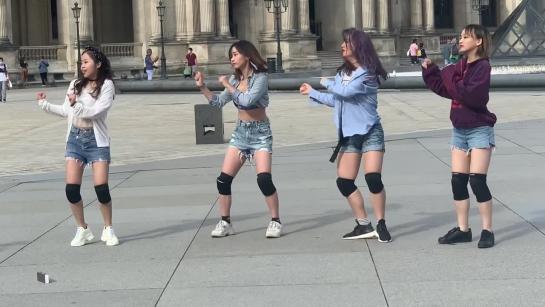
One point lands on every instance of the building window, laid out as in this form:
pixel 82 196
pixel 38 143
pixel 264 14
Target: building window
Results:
pixel 443 13
pixel 54 21
pixel 489 16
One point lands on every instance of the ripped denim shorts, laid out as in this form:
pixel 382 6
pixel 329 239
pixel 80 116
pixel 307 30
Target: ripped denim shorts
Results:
pixel 250 137
pixel 473 138
pixel 82 146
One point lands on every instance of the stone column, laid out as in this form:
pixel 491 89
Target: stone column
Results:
pixel 5 25
pixel 416 15
pixel 368 8
pixel 155 22
pixel 223 18
pixel 207 14
pixel 289 18
pixel 304 22
pixel 181 22
pixel 268 22
pixel 86 33
pixel 383 16
pixel 429 21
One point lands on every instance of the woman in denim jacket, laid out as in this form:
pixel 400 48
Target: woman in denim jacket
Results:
pixel 353 95
pixel 248 90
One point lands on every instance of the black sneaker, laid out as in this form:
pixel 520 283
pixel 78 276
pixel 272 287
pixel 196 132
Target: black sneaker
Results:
pixel 361 232
pixel 487 239
pixel 382 231
pixel 455 235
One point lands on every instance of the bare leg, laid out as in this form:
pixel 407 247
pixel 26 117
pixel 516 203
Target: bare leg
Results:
pixel 460 164
pixel 74 172
pixel 372 163
pixel 347 167
pixel 231 165
pixel 480 160
pixel 263 162
pixel 100 176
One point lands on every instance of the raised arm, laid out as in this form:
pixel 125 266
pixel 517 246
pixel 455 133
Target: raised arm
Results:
pixel 471 91
pixel 56 109
pixel 361 86
pixel 327 99
pixel 434 81
pixel 213 99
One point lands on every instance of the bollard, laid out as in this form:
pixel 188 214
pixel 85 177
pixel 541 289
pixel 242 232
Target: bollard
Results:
pixel 208 124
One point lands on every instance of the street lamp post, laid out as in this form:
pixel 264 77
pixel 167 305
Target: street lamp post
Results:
pixel 77 10
pixel 480 6
pixel 277 7
pixel 161 12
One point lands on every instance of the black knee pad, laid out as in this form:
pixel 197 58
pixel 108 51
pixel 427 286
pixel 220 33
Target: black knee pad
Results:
pixel 479 187
pixel 346 186
pixel 224 183
pixel 103 193
pixel 459 186
pixel 73 193
pixel 374 182
pixel 265 183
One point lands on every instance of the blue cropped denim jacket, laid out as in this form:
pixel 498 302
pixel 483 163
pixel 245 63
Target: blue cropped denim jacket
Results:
pixel 256 96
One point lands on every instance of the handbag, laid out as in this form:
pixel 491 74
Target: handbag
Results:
pixel 10 85
pixel 187 71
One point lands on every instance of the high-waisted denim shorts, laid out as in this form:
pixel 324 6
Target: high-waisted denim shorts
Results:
pixel 372 141
pixel 250 137
pixel 473 138
pixel 82 146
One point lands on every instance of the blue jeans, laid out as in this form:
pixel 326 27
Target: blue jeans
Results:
pixel 82 146
pixel 468 139
pixel 372 141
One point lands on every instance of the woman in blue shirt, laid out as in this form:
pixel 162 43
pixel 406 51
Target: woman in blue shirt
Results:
pixel 247 88
pixel 353 95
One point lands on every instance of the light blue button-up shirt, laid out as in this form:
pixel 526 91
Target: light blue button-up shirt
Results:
pixel 256 96
pixel 356 95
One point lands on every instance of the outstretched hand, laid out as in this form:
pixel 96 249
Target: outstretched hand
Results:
pixel 305 89
pixel 199 79
pixel 426 63
pixel 224 81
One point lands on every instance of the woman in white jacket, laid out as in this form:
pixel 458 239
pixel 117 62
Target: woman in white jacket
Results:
pixel 87 141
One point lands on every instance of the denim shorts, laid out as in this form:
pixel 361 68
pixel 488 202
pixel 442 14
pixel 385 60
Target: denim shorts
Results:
pixel 372 141
pixel 468 139
pixel 82 146
pixel 250 137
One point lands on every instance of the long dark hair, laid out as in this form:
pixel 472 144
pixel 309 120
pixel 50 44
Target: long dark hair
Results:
pixel 104 72
pixel 364 52
pixel 248 50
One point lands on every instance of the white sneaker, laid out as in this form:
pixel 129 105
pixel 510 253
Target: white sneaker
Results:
pixel 274 230
pixel 222 229
pixel 82 237
pixel 108 236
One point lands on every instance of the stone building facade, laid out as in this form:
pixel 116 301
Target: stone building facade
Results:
pixel 311 29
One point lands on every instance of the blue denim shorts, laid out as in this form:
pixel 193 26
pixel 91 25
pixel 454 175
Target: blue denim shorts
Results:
pixel 468 139
pixel 372 141
pixel 250 137
pixel 82 146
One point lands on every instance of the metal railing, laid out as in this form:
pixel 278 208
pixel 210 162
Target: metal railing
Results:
pixel 445 38
pixel 122 49
pixel 32 53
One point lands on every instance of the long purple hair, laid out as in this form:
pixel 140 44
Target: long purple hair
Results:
pixel 364 51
